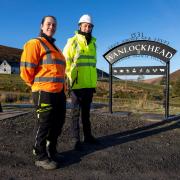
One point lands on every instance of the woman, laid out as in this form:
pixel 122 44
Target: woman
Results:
pixel 43 69
pixel 80 54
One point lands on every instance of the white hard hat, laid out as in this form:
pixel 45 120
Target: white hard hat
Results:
pixel 86 19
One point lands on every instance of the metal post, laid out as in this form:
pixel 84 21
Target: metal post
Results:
pixel 167 91
pixel 110 88
pixel 1 108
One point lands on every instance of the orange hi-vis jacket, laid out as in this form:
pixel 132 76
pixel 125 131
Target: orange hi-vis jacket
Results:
pixel 42 66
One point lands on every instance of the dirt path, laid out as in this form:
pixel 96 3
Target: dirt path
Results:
pixel 131 148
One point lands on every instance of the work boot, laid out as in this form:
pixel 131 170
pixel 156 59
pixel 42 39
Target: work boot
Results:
pixel 47 164
pixel 52 152
pixel 91 140
pixel 55 156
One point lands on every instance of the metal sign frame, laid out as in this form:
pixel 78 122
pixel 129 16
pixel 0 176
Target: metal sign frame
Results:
pixel 140 47
pixel 140 70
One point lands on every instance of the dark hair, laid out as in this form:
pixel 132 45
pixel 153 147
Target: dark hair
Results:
pixel 42 22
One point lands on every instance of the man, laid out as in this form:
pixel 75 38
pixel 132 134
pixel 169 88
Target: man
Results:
pixel 80 54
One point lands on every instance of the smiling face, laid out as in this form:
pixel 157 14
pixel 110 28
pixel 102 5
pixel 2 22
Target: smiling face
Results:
pixel 86 27
pixel 49 26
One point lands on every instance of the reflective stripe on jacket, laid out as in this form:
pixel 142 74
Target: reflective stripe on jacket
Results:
pixel 81 62
pixel 42 66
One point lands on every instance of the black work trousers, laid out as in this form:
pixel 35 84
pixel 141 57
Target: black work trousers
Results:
pixel 81 102
pixel 51 110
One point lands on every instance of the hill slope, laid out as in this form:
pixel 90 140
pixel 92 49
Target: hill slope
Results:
pixel 173 77
pixel 10 54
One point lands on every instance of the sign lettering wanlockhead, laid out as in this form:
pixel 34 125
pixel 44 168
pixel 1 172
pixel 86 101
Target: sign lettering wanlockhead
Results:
pixel 140 47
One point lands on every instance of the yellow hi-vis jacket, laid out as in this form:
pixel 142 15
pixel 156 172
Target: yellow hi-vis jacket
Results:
pixel 81 62
pixel 42 66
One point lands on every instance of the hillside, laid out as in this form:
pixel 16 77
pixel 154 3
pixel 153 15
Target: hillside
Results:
pixel 10 54
pixel 173 77
pixel 152 80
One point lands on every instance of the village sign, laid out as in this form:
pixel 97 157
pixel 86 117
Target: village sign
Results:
pixel 140 47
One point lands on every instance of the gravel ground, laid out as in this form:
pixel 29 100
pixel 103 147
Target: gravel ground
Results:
pixel 130 148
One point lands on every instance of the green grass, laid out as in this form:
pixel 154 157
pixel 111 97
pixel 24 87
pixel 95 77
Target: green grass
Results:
pixel 12 82
pixel 125 93
pixel 129 89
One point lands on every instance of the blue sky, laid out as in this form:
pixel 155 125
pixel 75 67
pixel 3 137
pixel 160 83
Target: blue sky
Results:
pixel 114 20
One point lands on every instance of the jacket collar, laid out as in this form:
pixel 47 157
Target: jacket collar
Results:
pixel 82 38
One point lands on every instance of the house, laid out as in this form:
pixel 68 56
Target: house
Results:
pixel 9 67
pixel 5 68
pixel 9 60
